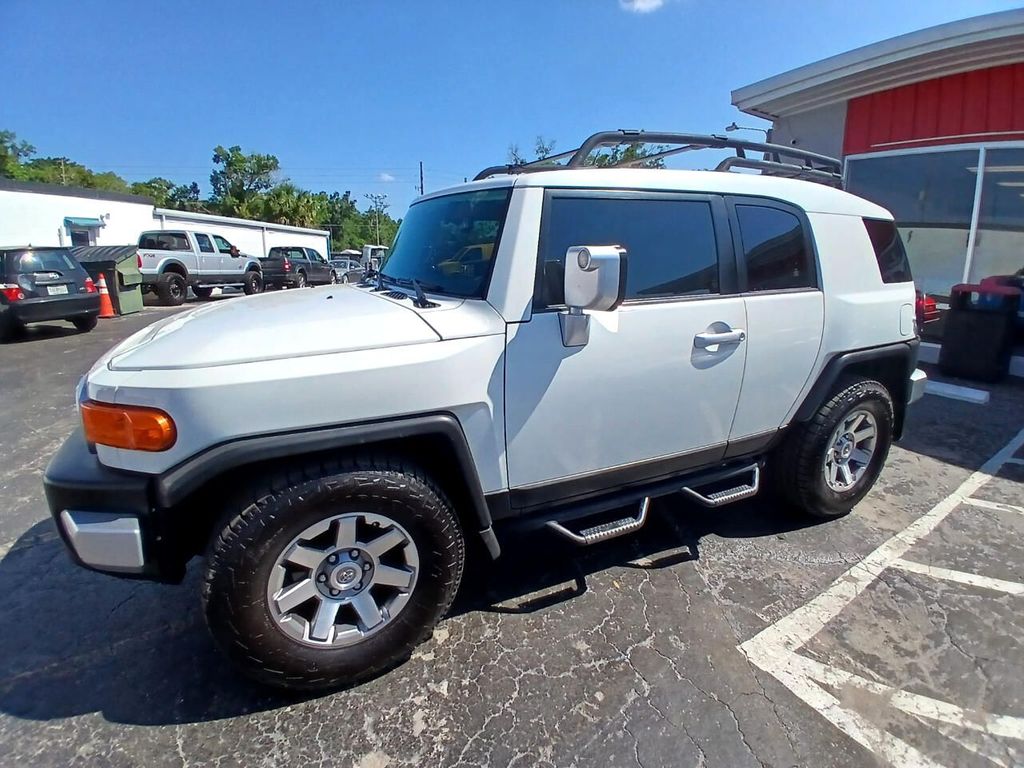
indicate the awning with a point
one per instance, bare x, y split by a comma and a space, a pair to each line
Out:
77, 221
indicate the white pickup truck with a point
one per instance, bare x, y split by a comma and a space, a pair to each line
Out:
174, 260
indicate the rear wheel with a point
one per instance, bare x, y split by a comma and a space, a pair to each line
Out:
9, 326
203, 291
171, 289
332, 580
252, 283
830, 463
85, 324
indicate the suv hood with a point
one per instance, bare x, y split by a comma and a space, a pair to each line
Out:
318, 321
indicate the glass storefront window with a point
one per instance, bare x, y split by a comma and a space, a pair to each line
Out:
931, 195
999, 241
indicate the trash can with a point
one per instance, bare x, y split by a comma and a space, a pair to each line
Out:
978, 337
119, 265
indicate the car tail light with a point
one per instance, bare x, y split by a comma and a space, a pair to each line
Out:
138, 260
90, 286
128, 426
287, 266
11, 292
927, 310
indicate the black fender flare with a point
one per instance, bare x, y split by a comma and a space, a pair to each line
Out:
175, 485
902, 354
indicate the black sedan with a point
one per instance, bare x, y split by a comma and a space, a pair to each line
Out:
44, 284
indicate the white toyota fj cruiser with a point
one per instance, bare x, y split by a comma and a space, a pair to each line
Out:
544, 344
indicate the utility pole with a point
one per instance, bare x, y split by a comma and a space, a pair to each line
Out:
421, 177
63, 173
377, 200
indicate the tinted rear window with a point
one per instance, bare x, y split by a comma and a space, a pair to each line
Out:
774, 248
164, 241
43, 261
892, 259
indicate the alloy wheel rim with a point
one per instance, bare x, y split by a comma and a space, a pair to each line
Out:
850, 450
342, 579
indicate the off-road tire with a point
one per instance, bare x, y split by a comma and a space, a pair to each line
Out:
797, 469
243, 551
85, 324
203, 292
171, 289
252, 283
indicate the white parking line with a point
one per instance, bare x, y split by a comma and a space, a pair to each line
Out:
774, 649
960, 577
995, 505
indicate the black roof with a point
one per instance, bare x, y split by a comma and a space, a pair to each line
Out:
39, 188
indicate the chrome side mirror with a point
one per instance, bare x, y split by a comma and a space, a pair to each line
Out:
595, 279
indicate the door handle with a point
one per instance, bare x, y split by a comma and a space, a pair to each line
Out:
705, 340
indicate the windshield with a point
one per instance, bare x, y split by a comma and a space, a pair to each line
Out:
45, 261
448, 243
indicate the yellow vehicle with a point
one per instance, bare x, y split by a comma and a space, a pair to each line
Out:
467, 259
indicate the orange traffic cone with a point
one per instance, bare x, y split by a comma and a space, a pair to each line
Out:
106, 308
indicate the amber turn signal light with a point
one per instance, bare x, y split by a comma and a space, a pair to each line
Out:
128, 426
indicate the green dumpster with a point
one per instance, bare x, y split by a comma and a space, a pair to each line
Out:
119, 265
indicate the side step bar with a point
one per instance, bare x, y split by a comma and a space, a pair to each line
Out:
729, 495
605, 531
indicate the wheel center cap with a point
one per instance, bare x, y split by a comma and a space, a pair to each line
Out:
345, 576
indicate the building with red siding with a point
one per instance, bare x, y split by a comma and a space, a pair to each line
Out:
930, 125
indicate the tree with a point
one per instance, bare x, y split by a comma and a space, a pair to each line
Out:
12, 153
240, 180
157, 189
629, 152
287, 204
542, 148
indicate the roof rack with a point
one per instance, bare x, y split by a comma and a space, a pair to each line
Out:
777, 160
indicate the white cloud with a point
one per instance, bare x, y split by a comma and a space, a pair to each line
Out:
385, 177
641, 6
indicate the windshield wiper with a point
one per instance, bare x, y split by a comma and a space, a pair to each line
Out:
421, 301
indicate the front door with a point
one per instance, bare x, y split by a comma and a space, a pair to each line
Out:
321, 269
650, 394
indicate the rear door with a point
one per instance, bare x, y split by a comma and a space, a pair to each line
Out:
647, 396
47, 273
208, 257
780, 282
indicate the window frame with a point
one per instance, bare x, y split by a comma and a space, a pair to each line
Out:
727, 278
731, 201
217, 244
199, 243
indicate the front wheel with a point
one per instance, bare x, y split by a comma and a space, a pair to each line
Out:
334, 277
252, 283
300, 280
333, 580
830, 463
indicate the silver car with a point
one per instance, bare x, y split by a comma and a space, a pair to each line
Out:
347, 270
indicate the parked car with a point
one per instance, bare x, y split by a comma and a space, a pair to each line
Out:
44, 284
347, 270
296, 267
619, 334
925, 309
174, 260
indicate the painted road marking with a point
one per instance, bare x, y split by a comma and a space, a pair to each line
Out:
960, 577
995, 505
775, 648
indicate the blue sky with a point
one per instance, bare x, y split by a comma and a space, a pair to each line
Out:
351, 94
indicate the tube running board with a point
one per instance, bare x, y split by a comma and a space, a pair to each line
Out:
604, 531
728, 495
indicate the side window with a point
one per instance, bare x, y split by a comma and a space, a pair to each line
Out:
889, 251
670, 244
297, 254
314, 255
222, 245
774, 249
204, 243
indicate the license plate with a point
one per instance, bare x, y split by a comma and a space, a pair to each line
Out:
54, 290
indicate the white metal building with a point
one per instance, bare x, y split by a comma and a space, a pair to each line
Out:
51, 214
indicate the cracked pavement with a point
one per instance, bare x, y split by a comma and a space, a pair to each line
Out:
621, 654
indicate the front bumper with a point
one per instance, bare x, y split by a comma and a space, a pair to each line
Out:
918, 380
106, 518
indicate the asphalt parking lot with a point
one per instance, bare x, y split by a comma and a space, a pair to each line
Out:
734, 637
